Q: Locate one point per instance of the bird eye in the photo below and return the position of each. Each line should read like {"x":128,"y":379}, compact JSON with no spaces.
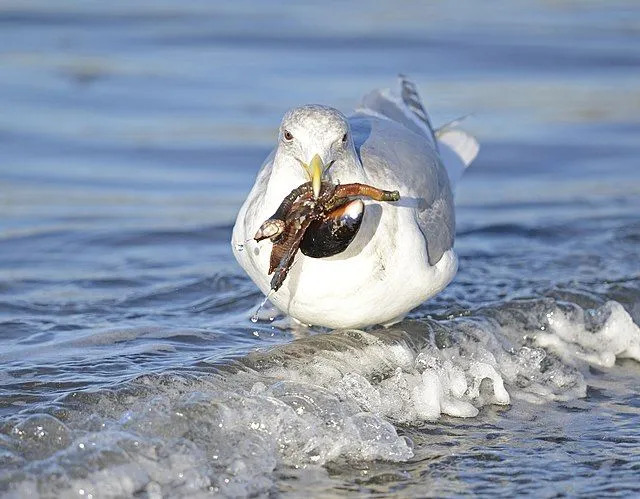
{"x":344,"y":138}
{"x":288,"y":136}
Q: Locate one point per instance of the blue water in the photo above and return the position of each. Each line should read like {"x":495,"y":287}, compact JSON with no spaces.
{"x":130,"y":134}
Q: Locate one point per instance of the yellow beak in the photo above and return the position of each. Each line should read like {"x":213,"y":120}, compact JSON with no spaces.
{"x":317,"y":169}
{"x":314,"y":170}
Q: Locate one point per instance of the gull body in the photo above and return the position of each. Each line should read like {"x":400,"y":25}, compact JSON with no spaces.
{"x":403,"y":252}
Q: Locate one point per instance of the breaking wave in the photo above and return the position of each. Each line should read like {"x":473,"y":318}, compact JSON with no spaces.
{"x":345,"y":396}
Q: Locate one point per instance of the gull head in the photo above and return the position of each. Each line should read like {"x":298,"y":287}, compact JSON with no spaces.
{"x":315,"y":137}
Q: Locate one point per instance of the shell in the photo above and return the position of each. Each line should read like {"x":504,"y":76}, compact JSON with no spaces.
{"x":269,"y":229}
{"x":333,"y":234}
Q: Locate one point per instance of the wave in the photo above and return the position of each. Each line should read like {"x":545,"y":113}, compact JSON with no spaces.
{"x":346,"y":395}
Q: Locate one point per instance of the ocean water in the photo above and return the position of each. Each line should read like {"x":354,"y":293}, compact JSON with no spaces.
{"x":130,"y":133}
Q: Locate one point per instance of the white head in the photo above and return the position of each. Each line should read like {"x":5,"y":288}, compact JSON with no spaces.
{"x":314,"y":138}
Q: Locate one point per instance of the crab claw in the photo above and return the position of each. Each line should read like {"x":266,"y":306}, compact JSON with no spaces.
{"x":271,"y":228}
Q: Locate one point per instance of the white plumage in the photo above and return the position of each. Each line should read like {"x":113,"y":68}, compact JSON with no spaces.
{"x":403,"y":253}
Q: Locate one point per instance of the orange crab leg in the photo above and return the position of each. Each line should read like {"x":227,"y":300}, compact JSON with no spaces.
{"x":352,"y":190}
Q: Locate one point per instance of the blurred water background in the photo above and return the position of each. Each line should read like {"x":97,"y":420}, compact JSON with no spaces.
{"x":130,"y":133}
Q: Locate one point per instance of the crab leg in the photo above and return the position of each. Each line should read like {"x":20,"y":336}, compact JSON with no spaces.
{"x":287,"y":202}
{"x":289,"y":253}
{"x":352,"y":190}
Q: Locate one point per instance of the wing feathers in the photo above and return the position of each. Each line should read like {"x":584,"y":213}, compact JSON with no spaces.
{"x":457,"y":148}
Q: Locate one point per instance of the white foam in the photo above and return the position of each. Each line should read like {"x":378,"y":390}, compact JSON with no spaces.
{"x":614,"y":336}
{"x":398,"y":382}
{"x":316,"y":400}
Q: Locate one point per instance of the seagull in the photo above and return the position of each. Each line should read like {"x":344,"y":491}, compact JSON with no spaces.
{"x":403,"y":252}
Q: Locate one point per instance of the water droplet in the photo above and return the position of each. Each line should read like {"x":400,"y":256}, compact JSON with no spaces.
{"x":254,"y":317}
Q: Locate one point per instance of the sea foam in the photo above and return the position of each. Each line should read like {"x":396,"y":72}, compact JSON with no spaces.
{"x":347,"y":395}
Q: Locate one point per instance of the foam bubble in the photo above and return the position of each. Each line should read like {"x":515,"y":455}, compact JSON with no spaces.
{"x":38,"y":436}
{"x":597,"y":336}
{"x":321,"y":399}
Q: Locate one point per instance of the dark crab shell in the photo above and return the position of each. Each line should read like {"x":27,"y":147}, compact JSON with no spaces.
{"x":333,"y":234}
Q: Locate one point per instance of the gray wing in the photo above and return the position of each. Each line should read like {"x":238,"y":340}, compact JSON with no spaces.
{"x":395,"y":155}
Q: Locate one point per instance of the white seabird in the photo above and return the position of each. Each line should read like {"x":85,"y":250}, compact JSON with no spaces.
{"x":403,"y":253}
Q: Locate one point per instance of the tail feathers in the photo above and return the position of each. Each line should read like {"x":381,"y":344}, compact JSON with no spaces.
{"x":412,"y":101}
{"x":402,"y":105}
{"x":457,"y":148}
{"x":462,"y":143}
